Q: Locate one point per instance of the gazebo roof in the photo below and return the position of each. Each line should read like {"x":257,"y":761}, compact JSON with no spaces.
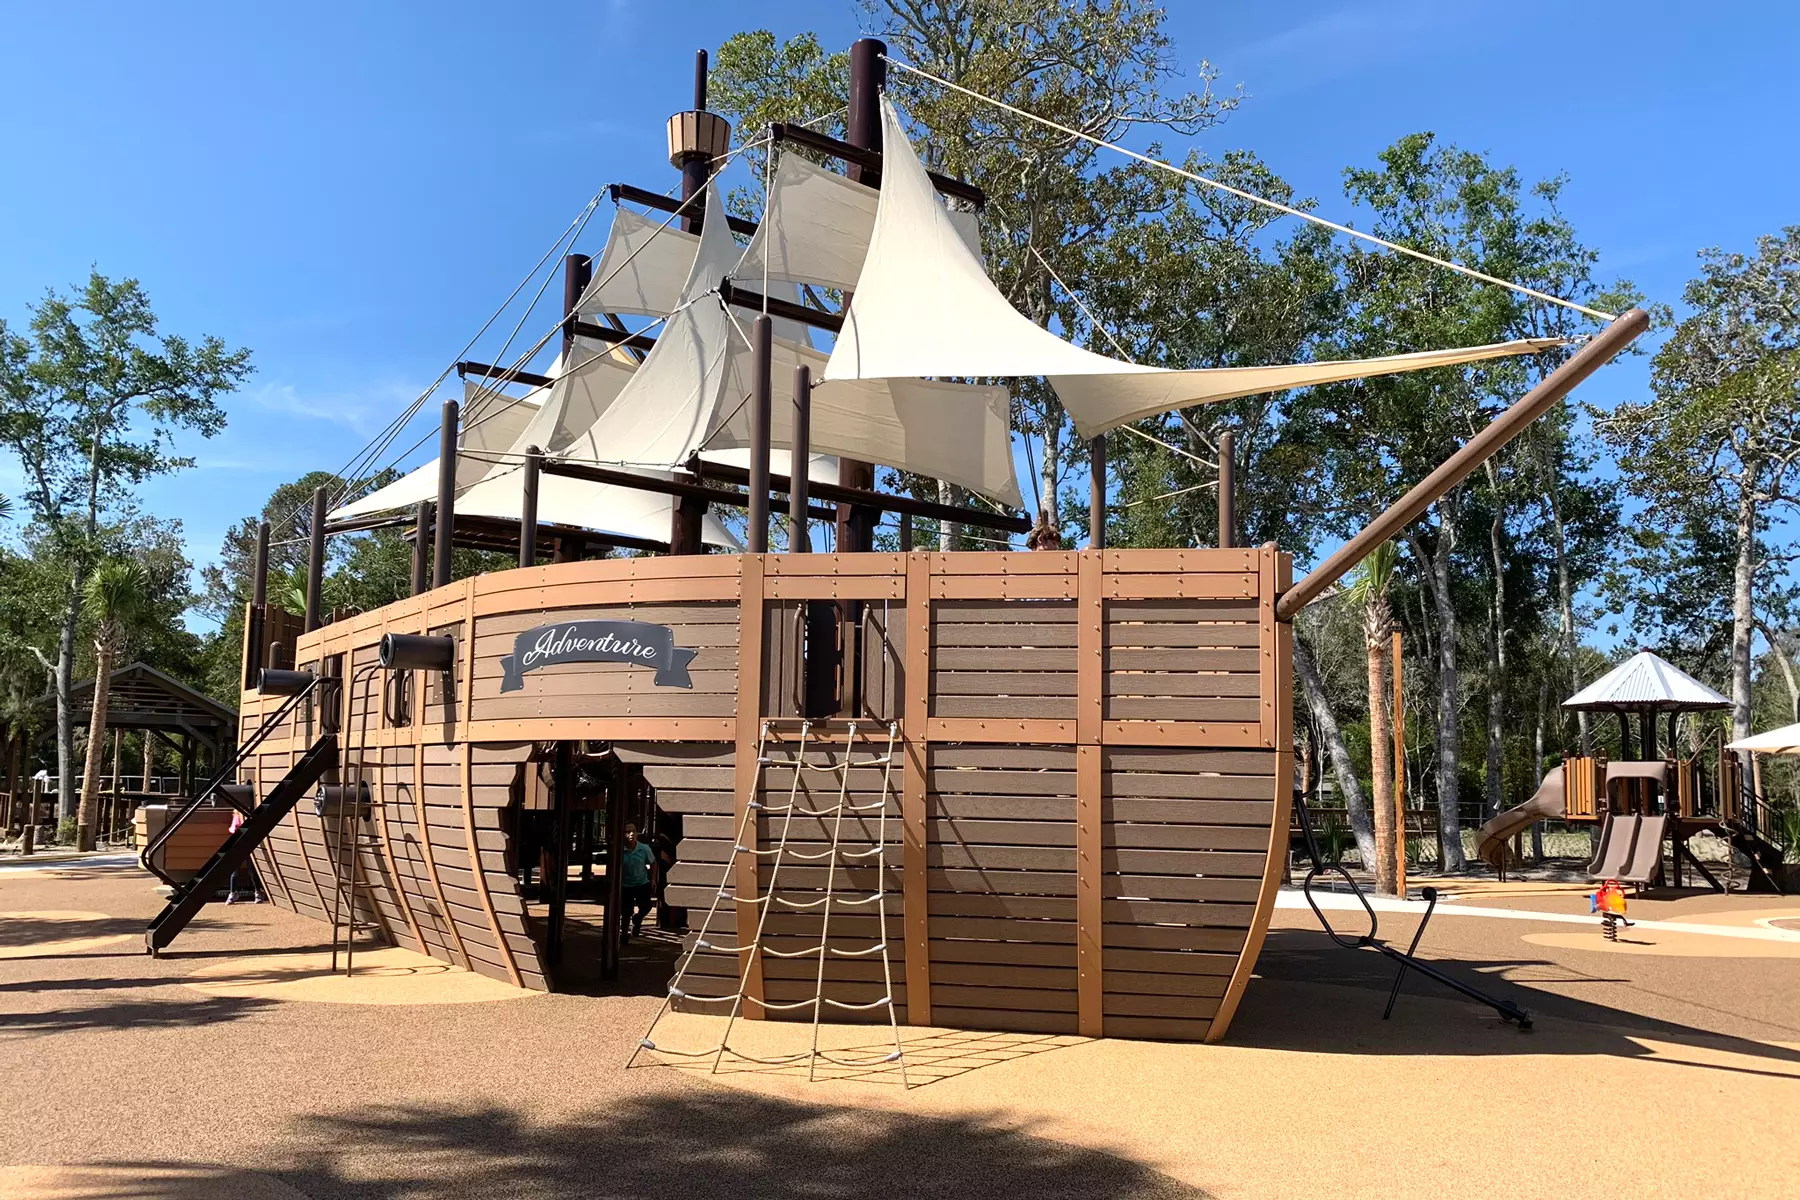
{"x":142,"y":697}
{"x":1646,"y":683}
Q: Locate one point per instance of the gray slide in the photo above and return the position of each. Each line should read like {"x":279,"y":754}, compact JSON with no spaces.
{"x":1630,"y":850}
{"x":1547,"y":801}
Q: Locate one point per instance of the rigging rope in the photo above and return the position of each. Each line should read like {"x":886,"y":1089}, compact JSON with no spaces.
{"x":1253,"y":198}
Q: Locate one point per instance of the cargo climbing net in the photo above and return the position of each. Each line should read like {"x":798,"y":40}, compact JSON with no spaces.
{"x":839,"y":759}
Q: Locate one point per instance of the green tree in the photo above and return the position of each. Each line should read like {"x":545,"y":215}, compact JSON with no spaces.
{"x":1714,"y":454}
{"x":91,"y":399}
{"x":118,"y":597}
{"x":1385,"y":434}
{"x":1368,"y":591}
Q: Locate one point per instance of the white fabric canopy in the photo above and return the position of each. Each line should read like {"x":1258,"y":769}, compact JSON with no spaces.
{"x":923,"y":306}
{"x":576,"y":401}
{"x":490,"y":421}
{"x":951,"y":431}
{"x":816,"y":227}
{"x":642,"y":268}
{"x":1785,"y":740}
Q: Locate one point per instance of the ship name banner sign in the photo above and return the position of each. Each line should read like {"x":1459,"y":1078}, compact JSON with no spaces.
{"x":639,"y":643}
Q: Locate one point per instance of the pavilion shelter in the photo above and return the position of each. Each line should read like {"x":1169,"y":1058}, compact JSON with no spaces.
{"x":180,"y":725}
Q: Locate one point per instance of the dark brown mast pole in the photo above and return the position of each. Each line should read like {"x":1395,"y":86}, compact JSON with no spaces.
{"x":256,"y":619}
{"x":259,"y":578}
{"x":1097,"y":493}
{"x":762,"y":340}
{"x":534,"y":461}
{"x":1227,"y":490}
{"x":446,"y":501}
{"x":315,"y":560}
{"x":799,"y":537}
{"x":868,"y":76}
{"x":421,"y":528}
{"x":1600,"y":350}
{"x":697,"y":140}
{"x":578,"y":269}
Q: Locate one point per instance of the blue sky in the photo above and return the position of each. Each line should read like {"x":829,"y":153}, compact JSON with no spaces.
{"x":348,"y":190}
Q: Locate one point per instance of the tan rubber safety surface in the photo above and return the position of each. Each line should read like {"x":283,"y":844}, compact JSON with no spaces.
{"x":384,"y":975}
{"x":141,"y":1181}
{"x":51,"y":933}
{"x":112,"y":1059}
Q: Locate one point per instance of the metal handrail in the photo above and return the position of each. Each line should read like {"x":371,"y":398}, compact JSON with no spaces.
{"x":223,"y":775}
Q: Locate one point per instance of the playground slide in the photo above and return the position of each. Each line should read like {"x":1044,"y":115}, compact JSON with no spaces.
{"x":1630,"y":849}
{"x":1547,"y":801}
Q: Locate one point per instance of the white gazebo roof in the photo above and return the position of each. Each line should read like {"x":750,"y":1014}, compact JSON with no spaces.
{"x":1785,"y":740}
{"x":1646,"y":682}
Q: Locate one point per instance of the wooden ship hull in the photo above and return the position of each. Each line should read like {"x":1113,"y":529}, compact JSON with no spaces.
{"x":1089,"y":816}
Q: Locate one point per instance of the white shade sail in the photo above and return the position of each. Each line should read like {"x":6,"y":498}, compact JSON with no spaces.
{"x":951,"y":431}
{"x":817,"y":224}
{"x":575,"y":402}
{"x":642,"y":268}
{"x":1785,"y":740}
{"x":491,"y":421}
{"x":924,"y":307}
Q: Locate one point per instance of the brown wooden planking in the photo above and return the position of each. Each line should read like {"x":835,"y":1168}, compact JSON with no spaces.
{"x":1179,"y":887}
{"x":1006,"y":1020}
{"x":1049,"y":954}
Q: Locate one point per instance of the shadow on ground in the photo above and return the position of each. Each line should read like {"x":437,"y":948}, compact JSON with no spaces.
{"x":712,"y":1144}
{"x":131,"y":1015}
{"x":1283,"y":1009}
{"x":18,"y":930}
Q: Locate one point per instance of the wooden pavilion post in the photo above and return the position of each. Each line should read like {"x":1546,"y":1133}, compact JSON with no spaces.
{"x":800,"y":464}
{"x":1097,"y":493}
{"x":315,"y":561}
{"x":110,"y":818}
{"x":445,"y":548}
{"x":1227,"y":490}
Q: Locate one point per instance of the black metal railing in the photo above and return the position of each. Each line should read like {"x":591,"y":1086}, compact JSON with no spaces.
{"x":225,"y":774}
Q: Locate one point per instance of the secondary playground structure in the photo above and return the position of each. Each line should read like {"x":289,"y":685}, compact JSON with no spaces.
{"x":1041,"y":790}
{"x":1641,"y":803}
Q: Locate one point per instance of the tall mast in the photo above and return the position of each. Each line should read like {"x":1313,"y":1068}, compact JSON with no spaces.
{"x":697,"y":140}
{"x":868,"y":76}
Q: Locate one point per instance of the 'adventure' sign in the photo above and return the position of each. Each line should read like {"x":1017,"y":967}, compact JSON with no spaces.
{"x":637,"y":642}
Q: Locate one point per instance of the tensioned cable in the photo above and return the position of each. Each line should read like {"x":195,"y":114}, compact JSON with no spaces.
{"x":380,"y":444}
{"x":1096,"y":323}
{"x":392,"y":430}
{"x":507,"y":376}
{"x":1253,"y":198}
{"x":1079,"y":302}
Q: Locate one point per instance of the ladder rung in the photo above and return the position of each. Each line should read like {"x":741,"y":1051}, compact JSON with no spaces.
{"x":844,"y":1004}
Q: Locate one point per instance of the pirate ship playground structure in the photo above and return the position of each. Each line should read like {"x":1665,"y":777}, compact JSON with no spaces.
{"x":1038,"y":790}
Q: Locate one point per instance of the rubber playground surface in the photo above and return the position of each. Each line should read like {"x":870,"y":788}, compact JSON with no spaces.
{"x":1667,"y":1064}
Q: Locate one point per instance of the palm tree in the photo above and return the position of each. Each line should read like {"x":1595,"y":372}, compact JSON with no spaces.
{"x":118,"y":596}
{"x":1369,"y":590}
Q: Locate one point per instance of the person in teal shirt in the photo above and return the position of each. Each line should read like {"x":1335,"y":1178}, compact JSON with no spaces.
{"x":637,"y":872}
